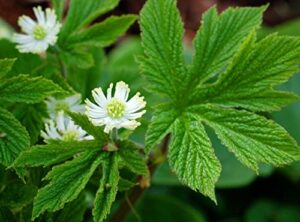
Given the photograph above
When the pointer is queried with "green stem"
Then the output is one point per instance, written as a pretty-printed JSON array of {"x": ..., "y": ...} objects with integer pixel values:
[{"x": 62, "y": 66}]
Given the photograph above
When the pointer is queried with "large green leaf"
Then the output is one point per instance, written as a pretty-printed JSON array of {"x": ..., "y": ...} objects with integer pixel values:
[
  {"x": 108, "y": 189},
  {"x": 26, "y": 89},
  {"x": 162, "y": 34},
  {"x": 192, "y": 157},
  {"x": 66, "y": 182},
  {"x": 83, "y": 12},
  {"x": 13, "y": 138}
]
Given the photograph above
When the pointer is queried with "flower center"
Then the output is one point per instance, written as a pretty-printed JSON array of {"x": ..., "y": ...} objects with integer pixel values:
[
  {"x": 115, "y": 109},
  {"x": 70, "y": 136},
  {"x": 39, "y": 33},
  {"x": 61, "y": 106}
]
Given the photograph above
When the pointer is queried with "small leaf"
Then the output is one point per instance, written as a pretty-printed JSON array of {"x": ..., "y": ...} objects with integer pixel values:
[
  {"x": 192, "y": 157},
  {"x": 125, "y": 184},
  {"x": 5, "y": 66},
  {"x": 108, "y": 189},
  {"x": 84, "y": 123},
  {"x": 26, "y": 89},
  {"x": 53, "y": 153},
  {"x": 104, "y": 33},
  {"x": 80, "y": 59},
  {"x": 13, "y": 138},
  {"x": 132, "y": 158},
  {"x": 66, "y": 182},
  {"x": 83, "y": 12}
]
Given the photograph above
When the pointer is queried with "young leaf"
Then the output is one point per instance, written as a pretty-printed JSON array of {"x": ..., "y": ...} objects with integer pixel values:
[
  {"x": 26, "y": 89},
  {"x": 85, "y": 124},
  {"x": 162, "y": 34},
  {"x": 192, "y": 157},
  {"x": 13, "y": 138},
  {"x": 83, "y": 12},
  {"x": 252, "y": 138},
  {"x": 5, "y": 66},
  {"x": 66, "y": 182},
  {"x": 104, "y": 33},
  {"x": 53, "y": 153},
  {"x": 218, "y": 39},
  {"x": 108, "y": 189},
  {"x": 132, "y": 158}
]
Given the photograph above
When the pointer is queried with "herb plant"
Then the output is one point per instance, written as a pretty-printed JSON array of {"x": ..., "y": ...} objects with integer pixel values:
[{"x": 57, "y": 150}]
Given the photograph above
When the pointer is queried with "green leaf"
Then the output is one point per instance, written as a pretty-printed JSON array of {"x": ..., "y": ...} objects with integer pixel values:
[
  {"x": 96, "y": 131},
  {"x": 5, "y": 66},
  {"x": 125, "y": 184},
  {"x": 13, "y": 138},
  {"x": 58, "y": 6},
  {"x": 252, "y": 138},
  {"x": 162, "y": 34},
  {"x": 66, "y": 182},
  {"x": 104, "y": 33},
  {"x": 53, "y": 153},
  {"x": 83, "y": 12},
  {"x": 160, "y": 126},
  {"x": 192, "y": 157},
  {"x": 108, "y": 189},
  {"x": 132, "y": 158},
  {"x": 219, "y": 38},
  {"x": 26, "y": 89},
  {"x": 31, "y": 116}
]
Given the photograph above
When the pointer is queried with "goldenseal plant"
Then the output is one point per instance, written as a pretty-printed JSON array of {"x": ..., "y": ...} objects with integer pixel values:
[
  {"x": 38, "y": 35},
  {"x": 101, "y": 155}
]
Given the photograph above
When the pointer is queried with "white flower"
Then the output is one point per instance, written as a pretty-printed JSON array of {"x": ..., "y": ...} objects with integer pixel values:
[
  {"x": 63, "y": 128},
  {"x": 71, "y": 103},
  {"x": 117, "y": 111},
  {"x": 38, "y": 34}
]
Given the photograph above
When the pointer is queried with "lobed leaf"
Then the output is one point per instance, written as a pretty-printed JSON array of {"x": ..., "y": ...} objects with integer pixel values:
[
  {"x": 13, "y": 138},
  {"x": 66, "y": 182}
]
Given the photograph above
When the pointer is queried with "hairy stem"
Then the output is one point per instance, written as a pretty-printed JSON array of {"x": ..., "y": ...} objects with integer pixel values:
[{"x": 135, "y": 194}]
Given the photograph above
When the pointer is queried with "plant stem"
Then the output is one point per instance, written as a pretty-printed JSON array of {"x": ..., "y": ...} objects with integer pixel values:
[
  {"x": 62, "y": 66},
  {"x": 136, "y": 192}
]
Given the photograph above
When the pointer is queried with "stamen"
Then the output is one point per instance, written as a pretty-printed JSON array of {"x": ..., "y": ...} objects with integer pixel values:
[
  {"x": 39, "y": 32},
  {"x": 115, "y": 109}
]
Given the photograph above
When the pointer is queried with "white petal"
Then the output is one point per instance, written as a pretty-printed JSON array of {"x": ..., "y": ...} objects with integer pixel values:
[
  {"x": 99, "y": 97},
  {"x": 122, "y": 91},
  {"x": 135, "y": 103},
  {"x": 27, "y": 24},
  {"x": 109, "y": 92},
  {"x": 40, "y": 15}
]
